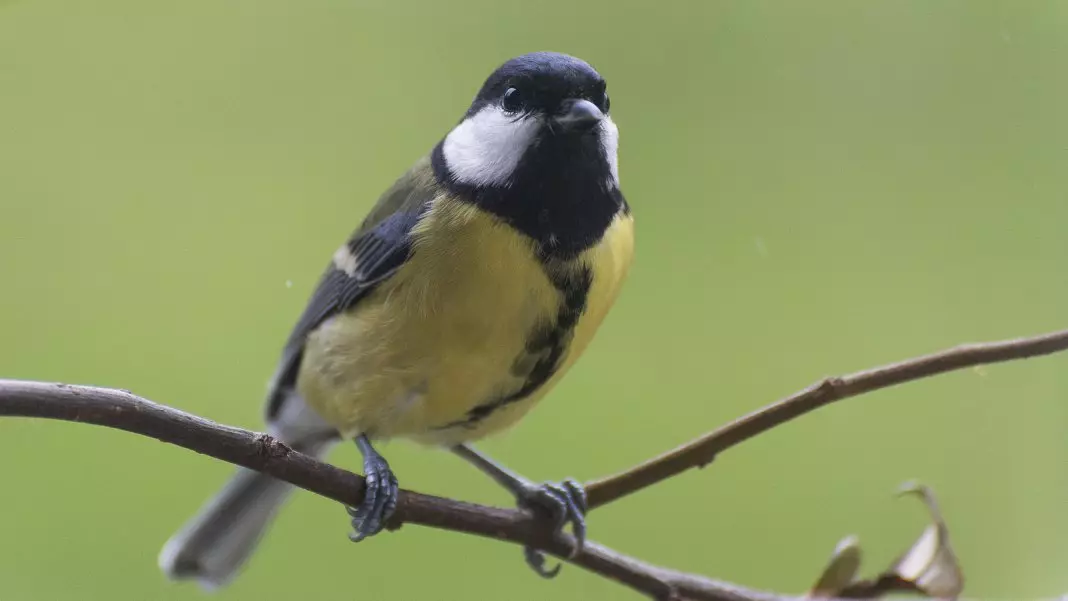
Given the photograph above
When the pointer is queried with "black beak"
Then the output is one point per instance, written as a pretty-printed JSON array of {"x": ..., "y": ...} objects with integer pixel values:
[{"x": 577, "y": 114}]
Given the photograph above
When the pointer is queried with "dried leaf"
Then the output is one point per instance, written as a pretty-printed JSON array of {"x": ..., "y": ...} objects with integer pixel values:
[
  {"x": 841, "y": 570},
  {"x": 930, "y": 564},
  {"x": 929, "y": 567}
]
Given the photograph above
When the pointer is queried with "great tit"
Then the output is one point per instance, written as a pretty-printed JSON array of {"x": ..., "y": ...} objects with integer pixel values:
[{"x": 467, "y": 292}]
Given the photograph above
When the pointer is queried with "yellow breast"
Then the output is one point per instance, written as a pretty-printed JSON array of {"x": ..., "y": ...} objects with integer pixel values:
[{"x": 450, "y": 332}]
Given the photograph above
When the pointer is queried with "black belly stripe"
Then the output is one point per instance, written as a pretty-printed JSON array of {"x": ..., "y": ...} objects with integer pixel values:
[{"x": 546, "y": 342}]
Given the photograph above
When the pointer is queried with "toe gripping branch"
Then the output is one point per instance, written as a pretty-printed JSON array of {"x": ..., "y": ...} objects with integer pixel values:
[
  {"x": 563, "y": 503},
  {"x": 380, "y": 494}
]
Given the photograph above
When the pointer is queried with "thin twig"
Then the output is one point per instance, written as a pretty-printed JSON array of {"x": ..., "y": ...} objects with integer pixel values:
[{"x": 703, "y": 450}]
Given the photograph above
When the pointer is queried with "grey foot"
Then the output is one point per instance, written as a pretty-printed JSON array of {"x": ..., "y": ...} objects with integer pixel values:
[
  {"x": 379, "y": 500},
  {"x": 564, "y": 503}
]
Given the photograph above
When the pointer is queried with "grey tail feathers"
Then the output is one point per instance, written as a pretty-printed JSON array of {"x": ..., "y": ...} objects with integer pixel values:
[{"x": 213, "y": 546}]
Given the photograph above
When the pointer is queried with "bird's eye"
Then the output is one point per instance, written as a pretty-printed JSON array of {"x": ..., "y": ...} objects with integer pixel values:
[{"x": 512, "y": 101}]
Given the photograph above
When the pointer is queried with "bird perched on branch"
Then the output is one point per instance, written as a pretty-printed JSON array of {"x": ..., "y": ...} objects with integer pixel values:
[{"x": 472, "y": 286}]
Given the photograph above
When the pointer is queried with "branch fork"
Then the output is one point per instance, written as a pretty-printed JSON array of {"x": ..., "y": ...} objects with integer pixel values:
[{"x": 124, "y": 410}]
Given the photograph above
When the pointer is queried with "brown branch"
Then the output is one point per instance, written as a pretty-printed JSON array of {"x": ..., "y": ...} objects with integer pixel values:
[
  {"x": 123, "y": 410},
  {"x": 703, "y": 450}
]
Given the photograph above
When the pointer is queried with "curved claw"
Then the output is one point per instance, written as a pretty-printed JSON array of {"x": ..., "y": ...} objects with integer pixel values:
[
  {"x": 536, "y": 561},
  {"x": 565, "y": 503},
  {"x": 379, "y": 500}
]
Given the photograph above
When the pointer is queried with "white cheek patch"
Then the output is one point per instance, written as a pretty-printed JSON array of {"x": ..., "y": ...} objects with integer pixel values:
[
  {"x": 610, "y": 141},
  {"x": 485, "y": 148}
]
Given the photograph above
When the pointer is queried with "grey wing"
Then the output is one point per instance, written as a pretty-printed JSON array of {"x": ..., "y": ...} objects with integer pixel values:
[{"x": 375, "y": 251}]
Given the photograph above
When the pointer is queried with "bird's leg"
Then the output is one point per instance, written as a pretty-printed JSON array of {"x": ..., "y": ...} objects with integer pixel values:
[
  {"x": 379, "y": 497},
  {"x": 565, "y": 502}
]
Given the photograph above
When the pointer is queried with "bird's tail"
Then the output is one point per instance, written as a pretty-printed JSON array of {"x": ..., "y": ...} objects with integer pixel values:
[{"x": 213, "y": 545}]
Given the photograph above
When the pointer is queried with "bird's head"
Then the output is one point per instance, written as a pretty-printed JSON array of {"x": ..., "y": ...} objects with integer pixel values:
[{"x": 536, "y": 115}]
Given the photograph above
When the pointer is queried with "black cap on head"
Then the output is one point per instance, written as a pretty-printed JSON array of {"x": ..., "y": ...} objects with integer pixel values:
[{"x": 542, "y": 81}]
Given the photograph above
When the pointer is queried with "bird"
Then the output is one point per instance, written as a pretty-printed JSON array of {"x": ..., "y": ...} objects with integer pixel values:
[{"x": 463, "y": 297}]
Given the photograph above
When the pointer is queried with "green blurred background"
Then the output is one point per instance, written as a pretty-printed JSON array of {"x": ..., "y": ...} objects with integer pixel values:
[{"x": 819, "y": 187}]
